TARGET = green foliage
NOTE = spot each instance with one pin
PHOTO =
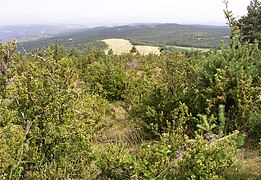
(159, 106)
(202, 160)
(6, 54)
(255, 124)
(52, 119)
(151, 160)
(171, 157)
(12, 148)
(222, 120)
(55, 51)
(113, 162)
(107, 79)
(250, 25)
(87, 57)
(247, 28)
(110, 52)
(230, 77)
(157, 35)
(207, 124)
(157, 160)
(232, 23)
(56, 106)
(133, 50)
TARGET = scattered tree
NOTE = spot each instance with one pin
(133, 49)
(250, 25)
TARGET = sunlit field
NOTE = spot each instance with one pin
(120, 46)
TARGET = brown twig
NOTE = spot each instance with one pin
(40, 57)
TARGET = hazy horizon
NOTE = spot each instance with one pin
(117, 12)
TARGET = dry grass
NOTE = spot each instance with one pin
(120, 128)
(120, 46)
(247, 167)
(148, 49)
(191, 48)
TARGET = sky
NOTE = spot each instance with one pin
(113, 12)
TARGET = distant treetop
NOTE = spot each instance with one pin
(250, 25)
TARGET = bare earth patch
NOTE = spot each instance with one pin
(120, 46)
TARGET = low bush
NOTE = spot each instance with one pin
(107, 79)
(230, 77)
(205, 160)
(172, 157)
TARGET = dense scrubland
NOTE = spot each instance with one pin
(70, 114)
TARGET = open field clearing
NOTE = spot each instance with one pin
(120, 46)
(148, 49)
(191, 48)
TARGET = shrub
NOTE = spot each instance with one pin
(158, 106)
(173, 156)
(229, 77)
(255, 125)
(202, 160)
(51, 120)
(12, 148)
(107, 79)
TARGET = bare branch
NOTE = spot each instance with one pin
(4, 67)
(23, 48)
(40, 57)
(48, 54)
(29, 124)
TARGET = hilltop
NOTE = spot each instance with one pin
(199, 36)
(33, 32)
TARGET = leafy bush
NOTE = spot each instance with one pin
(159, 103)
(83, 59)
(255, 125)
(250, 24)
(172, 157)
(12, 148)
(229, 77)
(107, 79)
(52, 122)
(202, 160)
(113, 161)
(6, 54)
(151, 160)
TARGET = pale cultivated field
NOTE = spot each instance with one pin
(120, 46)
(148, 49)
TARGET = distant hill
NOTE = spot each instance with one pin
(199, 36)
(33, 32)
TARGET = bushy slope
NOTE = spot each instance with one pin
(68, 114)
